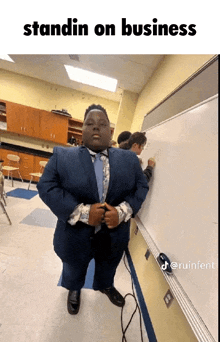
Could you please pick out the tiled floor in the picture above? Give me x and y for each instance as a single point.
(32, 306)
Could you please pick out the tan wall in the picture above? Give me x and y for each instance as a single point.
(126, 112)
(169, 324)
(172, 71)
(43, 95)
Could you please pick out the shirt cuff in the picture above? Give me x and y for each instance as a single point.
(81, 213)
(124, 211)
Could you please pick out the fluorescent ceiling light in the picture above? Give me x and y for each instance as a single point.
(91, 78)
(6, 58)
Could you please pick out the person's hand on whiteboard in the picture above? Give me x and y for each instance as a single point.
(151, 162)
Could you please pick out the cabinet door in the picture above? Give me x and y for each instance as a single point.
(32, 122)
(24, 120)
(15, 118)
(45, 125)
(3, 154)
(53, 127)
(60, 128)
(26, 165)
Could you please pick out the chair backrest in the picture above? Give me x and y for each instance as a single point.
(43, 163)
(13, 157)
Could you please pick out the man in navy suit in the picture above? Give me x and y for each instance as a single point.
(93, 190)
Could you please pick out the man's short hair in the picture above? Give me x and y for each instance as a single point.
(94, 106)
(123, 136)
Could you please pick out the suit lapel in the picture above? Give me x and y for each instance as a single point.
(88, 167)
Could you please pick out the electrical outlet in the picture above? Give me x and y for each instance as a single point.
(168, 298)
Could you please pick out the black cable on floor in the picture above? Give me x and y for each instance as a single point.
(137, 307)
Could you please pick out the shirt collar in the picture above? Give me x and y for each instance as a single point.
(103, 153)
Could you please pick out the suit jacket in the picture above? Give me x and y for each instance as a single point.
(69, 179)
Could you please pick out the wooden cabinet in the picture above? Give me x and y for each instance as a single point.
(26, 165)
(3, 156)
(14, 117)
(41, 124)
(32, 122)
(23, 120)
(53, 127)
(36, 123)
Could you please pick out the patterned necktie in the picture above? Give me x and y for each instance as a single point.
(98, 166)
(102, 240)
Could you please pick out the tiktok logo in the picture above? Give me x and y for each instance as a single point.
(164, 263)
(164, 266)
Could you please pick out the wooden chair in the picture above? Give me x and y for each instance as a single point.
(13, 160)
(42, 164)
(2, 196)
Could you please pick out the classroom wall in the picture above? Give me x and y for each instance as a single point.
(43, 95)
(126, 115)
(36, 93)
(170, 74)
(126, 112)
(169, 324)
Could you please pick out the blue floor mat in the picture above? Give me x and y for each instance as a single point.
(22, 193)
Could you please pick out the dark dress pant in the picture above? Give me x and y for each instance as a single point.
(74, 272)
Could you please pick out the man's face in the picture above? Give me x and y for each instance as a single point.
(96, 134)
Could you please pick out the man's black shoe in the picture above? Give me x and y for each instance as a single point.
(73, 302)
(114, 296)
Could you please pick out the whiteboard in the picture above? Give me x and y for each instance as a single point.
(180, 212)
